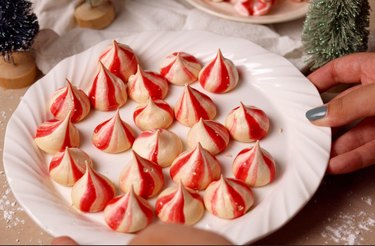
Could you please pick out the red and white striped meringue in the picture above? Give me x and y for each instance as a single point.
(254, 166)
(113, 135)
(196, 168)
(253, 7)
(128, 213)
(212, 135)
(228, 198)
(220, 75)
(158, 145)
(92, 191)
(247, 123)
(155, 114)
(54, 135)
(120, 60)
(69, 99)
(180, 68)
(193, 105)
(66, 167)
(179, 206)
(145, 84)
(142, 175)
(107, 91)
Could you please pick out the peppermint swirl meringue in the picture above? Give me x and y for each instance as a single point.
(180, 206)
(113, 135)
(228, 198)
(54, 135)
(193, 105)
(69, 99)
(92, 191)
(247, 123)
(107, 91)
(212, 135)
(155, 114)
(158, 145)
(180, 68)
(254, 166)
(145, 84)
(220, 75)
(128, 213)
(142, 175)
(68, 166)
(120, 60)
(196, 168)
(253, 7)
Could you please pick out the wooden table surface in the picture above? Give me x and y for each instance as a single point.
(341, 212)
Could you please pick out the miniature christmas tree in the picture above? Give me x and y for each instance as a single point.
(18, 27)
(334, 28)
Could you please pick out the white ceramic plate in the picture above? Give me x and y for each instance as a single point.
(268, 81)
(283, 10)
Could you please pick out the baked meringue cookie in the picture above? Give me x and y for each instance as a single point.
(253, 7)
(196, 168)
(228, 198)
(158, 145)
(220, 75)
(254, 166)
(180, 68)
(54, 135)
(142, 175)
(154, 114)
(212, 135)
(113, 135)
(193, 105)
(69, 99)
(66, 167)
(120, 60)
(128, 213)
(180, 206)
(247, 123)
(92, 191)
(107, 91)
(145, 84)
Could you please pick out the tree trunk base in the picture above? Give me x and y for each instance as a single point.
(98, 17)
(19, 74)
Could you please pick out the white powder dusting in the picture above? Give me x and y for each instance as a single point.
(9, 209)
(348, 228)
(367, 200)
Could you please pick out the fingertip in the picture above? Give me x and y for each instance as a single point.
(315, 115)
(63, 240)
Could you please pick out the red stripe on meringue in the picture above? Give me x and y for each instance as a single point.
(114, 221)
(89, 196)
(217, 139)
(112, 102)
(130, 136)
(165, 70)
(145, 209)
(255, 131)
(271, 167)
(153, 89)
(176, 212)
(197, 106)
(179, 164)
(77, 174)
(55, 162)
(47, 128)
(243, 170)
(238, 204)
(197, 171)
(59, 102)
(105, 141)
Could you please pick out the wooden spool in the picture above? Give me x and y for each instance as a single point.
(20, 72)
(97, 17)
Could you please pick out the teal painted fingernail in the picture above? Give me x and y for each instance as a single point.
(316, 113)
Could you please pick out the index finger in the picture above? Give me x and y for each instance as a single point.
(354, 68)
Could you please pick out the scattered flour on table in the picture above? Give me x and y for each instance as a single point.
(349, 227)
(9, 209)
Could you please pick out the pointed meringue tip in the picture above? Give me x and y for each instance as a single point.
(68, 82)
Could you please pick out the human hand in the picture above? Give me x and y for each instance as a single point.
(164, 234)
(353, 149)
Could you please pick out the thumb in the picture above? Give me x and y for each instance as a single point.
(345, 109)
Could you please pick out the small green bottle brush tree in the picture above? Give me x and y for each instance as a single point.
(18, 28)
(334, 28)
